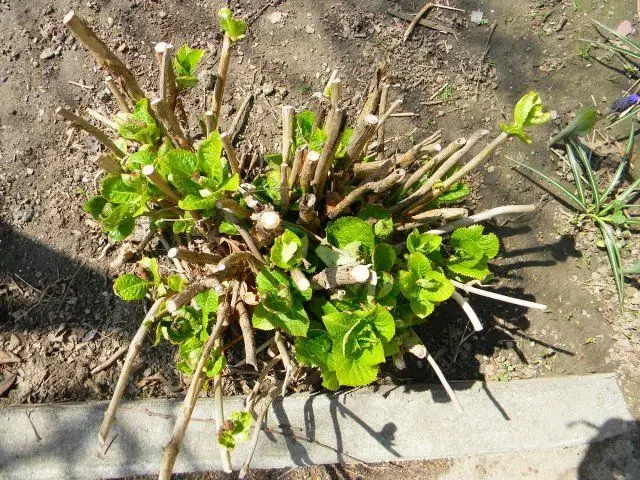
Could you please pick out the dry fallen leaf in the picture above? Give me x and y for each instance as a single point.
(6, 384)
(8, 357)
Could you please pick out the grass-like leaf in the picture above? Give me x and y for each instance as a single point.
(617, 177)
(613, 252)
(565, 190)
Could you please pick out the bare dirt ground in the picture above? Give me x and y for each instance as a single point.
(57, 309)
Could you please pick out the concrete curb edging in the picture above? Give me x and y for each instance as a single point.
(390, 423)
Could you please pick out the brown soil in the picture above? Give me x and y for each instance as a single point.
(57, 309)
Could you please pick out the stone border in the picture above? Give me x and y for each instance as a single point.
(390, 423)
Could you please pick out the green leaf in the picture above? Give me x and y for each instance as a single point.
(379, 217)
(347, 230)
(122, 230)
(314, 349)
(339, 323)
(94, 206)
(355, 373)
(294, 321)
(209, 158)
(288, 250)
(151, 264)
(456, 193)
(185, 63)
(139, 159)
(228, 228)
(116, 190)
(130, 287)
(304, 122)
(347, 256)
(235, 430)
(425, 243)
(232, 27)
(176, 283)
(140, 125)
(207, 301)
(231, 184)
(382, 322)
(196, 202)
(384, 256)
(117, 216)
(632, 269)
(489, 243)
(527, 112)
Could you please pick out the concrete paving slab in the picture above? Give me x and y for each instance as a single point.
(391, 423)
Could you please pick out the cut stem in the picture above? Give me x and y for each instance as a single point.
(481, 217)
(497, 296)
(468, 310)
(105, 57)
(134, 348)
(91, 130)
(223, 69)
(172, 448)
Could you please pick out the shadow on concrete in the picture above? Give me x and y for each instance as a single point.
(612, 458)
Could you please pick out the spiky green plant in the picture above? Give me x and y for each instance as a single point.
(607, 206)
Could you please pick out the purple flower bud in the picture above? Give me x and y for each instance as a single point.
(624, 103)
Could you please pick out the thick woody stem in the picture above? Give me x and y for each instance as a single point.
(308, 217)
(308, 170)
(363, 132)
(91, 130)
(268, 226)
(246, 236)
(287, 361)
(181, 299)
(375, 186)
(247, 190)
(230, 151)
(375, 90)
(208, 122)
(154, 177)
(191, 256)
(449, 150)
(328, 151)
(284, 188)
(237, 209)
(167, 85)
(482, 216)
(300, 280)
(288, 122)
(374, 169)
(298, 160)
(171, 123)
(103, 119)
(258, 427)
(171, 450)
(446, 166)
(134, 348)
(467, 168)
(468, 310)
(225, 455)
(103, 55)
(247, 334)
(445, 383)
(118, 95)
(497, 296)
(108, 163)
(240, 117)
(406, 159)
(383, 105)
(330, 278)
(218, 91)
(441, 214)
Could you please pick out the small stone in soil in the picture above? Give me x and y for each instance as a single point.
(162, 14)
(309, 29)
(267, 89)
(47, 53)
